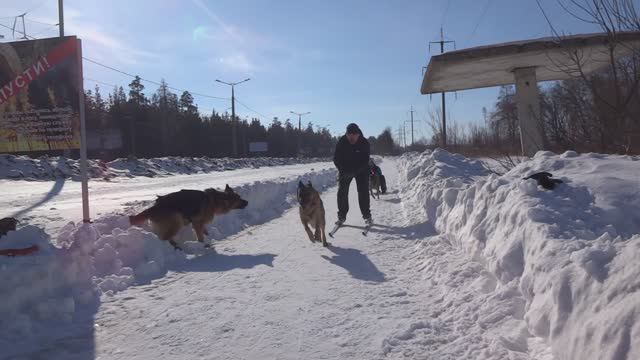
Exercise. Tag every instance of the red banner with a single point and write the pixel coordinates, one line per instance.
(40, 84)
(21, 81)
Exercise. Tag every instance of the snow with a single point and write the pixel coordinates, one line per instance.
(58, 167)
(460, 264)
(566, 253)
(41, 292)
(40, 288)
(52, 204)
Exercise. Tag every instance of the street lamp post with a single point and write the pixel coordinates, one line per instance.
(234, 129)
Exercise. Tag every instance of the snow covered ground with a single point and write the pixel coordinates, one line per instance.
(52, 204)
(57, 167)
(56, 290)
(461, 264)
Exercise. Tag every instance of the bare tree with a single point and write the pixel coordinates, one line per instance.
(435, 124)
(614, 90)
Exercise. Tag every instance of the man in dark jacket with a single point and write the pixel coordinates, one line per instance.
(352, 160)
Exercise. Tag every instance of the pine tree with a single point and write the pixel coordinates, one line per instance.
(135, 92)
(186, 103)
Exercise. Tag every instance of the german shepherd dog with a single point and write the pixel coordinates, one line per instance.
(374, 183)
(173, 211)
(312, 212)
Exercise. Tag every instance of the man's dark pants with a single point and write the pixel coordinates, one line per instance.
(362, 183)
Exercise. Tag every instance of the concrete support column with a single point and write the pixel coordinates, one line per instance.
(528, 103)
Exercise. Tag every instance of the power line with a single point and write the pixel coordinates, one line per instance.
(484, 12)
(133, 76)
(23, 19)
(40, 22)
(18, 31)
(116, 86)
(151, 81)
(26, 12)
(100, 82)
(141, 78)
(45, 30)
(250, 109)
(36, 7)
(119, 71)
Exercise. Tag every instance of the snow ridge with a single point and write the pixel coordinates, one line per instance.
(568, 251)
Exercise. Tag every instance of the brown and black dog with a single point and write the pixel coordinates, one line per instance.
(312, 212)
(173, 211)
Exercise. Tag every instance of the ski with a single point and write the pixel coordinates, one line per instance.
(366, 229)
(335, 229)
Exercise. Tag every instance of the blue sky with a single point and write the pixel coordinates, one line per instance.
(344, 61)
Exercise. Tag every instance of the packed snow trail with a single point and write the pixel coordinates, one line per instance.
(268, 293)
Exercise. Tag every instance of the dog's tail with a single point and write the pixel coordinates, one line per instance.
(140, 218)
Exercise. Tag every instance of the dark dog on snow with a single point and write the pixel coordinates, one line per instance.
(312, 212)
(544, 179)
(374, 179)
(7, 224)
(173, 211)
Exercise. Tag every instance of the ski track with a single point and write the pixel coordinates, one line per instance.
(402, 292)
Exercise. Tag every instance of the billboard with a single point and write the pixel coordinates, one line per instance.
(258, 147)
(40, 84)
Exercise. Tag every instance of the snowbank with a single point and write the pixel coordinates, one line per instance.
(48, 288)
(572, 251)
(41, 288)
(49, 168)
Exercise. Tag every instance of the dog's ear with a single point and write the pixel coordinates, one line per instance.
(300, 184)
(227, 189)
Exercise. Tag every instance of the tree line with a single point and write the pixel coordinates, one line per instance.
(170, 125)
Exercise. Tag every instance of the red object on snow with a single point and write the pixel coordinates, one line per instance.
(19, 252)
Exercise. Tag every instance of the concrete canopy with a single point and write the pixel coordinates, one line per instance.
(494, 65)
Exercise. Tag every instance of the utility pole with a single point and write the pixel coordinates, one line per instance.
(300, 115)
(24, 30)
(444, 104)
(411, 125)
(67, 152)
(132, 130)
(404, 133)
(234, 127)
(234, 130)
(61, 18)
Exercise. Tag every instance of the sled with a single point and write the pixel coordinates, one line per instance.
(19, 252)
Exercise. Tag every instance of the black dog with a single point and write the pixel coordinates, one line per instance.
(7, 224)
(544, 179)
